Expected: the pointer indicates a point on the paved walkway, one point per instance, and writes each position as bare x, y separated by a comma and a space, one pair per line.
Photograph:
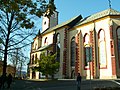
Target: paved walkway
60, 84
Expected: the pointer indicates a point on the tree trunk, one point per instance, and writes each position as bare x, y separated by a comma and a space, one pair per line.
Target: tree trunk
46, 76
5, 54
6, 44
5, 61
21, 70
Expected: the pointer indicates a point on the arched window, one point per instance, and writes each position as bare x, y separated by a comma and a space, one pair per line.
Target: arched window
118, 44
73, 51
86, 44
58, 47
102, 49
32, 61
36, 46
86, 39
45, 42
45, 23
35, 58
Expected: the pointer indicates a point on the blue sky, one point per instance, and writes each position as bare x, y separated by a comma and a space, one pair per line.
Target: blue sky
70, 8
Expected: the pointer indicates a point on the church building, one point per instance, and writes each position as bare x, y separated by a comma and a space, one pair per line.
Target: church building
90, 45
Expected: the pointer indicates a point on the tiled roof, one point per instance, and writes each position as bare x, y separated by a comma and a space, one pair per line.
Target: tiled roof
98, 15
70, 22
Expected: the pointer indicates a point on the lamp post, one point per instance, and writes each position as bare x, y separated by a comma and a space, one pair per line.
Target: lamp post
88, 49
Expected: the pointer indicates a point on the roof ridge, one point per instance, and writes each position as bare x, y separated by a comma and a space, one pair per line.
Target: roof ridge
98, 15
113, 10
109, 10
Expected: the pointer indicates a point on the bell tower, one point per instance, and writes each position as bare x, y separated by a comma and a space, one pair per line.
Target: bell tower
49, 22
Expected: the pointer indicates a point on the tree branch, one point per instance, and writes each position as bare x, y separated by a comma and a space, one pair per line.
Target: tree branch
20, 41
19, 46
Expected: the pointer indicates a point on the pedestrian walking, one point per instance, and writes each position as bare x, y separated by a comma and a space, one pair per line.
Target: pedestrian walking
78, 81
3, 80
9, 80
0, 82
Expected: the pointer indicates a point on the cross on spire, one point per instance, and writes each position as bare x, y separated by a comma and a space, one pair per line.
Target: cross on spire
109, 3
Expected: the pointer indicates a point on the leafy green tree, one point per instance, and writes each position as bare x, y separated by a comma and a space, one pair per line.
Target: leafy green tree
17, 22
48, 65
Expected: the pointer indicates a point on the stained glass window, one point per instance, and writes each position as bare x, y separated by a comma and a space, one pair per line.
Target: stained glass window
58, 47
102, 49
86, 44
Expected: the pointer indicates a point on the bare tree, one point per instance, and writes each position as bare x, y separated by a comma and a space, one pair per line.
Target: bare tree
18, 59
17, 22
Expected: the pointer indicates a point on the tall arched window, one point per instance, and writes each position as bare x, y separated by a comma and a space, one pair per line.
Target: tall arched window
102, 49
118, 44
73, 51
58, 47
86, 44
36, 58
32, 61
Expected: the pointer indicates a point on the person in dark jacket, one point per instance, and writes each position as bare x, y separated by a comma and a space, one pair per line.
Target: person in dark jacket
0, 82
9, 80
78, 81
3, 80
